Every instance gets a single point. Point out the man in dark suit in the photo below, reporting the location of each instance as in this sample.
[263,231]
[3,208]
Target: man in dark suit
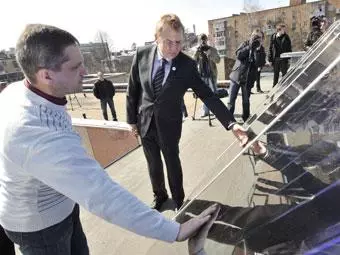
[160,76]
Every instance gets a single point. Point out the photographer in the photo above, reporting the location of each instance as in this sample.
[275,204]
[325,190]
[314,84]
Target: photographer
[207,57]
[316,32]
[249,57]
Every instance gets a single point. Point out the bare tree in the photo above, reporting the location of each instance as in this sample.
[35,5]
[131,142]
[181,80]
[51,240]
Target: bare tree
[107,47]
[133,46]
[252,17]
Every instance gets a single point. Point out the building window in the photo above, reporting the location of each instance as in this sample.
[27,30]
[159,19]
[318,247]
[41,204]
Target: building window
[220,43]
[222,52]
[219,34]
[294,26]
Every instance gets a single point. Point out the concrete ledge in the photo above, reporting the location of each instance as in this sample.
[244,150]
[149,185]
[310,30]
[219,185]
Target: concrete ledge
[105,141]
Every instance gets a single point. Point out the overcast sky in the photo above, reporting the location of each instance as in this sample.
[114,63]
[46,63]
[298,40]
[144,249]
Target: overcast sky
[124,21]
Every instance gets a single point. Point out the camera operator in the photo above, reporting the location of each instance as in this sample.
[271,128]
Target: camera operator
[207,57]
[249,57]
[316,32]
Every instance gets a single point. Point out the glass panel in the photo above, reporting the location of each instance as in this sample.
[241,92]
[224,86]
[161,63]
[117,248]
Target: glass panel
[287,176]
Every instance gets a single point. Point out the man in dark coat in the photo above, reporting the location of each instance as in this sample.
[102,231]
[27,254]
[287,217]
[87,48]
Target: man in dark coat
[104,91]
[279,43]
[249,57]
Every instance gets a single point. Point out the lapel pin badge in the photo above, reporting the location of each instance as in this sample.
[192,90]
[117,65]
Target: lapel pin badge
[173,68]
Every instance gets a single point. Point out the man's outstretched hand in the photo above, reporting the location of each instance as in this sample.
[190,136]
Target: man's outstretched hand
[259,148]
[189,228]
[241,134]
[196,242]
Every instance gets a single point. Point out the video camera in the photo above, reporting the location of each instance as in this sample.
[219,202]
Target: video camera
[316,21]
[203,48]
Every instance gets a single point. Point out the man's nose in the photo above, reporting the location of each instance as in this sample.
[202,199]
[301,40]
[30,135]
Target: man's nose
[83,71]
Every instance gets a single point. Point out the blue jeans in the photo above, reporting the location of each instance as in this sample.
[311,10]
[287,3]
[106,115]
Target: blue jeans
[234,88]
[210,83]
[64,238]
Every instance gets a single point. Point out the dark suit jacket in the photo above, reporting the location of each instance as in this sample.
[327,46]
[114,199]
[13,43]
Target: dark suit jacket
[166,108]
[277,47]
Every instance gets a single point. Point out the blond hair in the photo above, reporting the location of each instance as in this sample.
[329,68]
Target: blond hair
[171,20]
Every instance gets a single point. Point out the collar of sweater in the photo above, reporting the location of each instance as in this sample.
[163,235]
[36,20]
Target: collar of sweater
[52,99]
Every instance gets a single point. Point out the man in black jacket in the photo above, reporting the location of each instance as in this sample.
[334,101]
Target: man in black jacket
[104,91]
[279,43]
[249,57]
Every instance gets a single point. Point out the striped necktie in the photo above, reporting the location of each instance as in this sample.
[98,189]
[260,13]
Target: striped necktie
[159,77]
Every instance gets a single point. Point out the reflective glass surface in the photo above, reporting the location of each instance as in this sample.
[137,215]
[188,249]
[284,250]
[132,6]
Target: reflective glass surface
[286,199]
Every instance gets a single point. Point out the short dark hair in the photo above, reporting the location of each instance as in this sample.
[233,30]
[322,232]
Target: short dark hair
[279,26]
[42,46]
[204,37]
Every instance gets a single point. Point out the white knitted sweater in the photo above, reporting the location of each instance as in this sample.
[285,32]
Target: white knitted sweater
[44,170]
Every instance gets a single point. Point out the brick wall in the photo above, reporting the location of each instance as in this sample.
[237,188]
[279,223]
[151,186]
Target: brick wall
[237,28]
[297,18]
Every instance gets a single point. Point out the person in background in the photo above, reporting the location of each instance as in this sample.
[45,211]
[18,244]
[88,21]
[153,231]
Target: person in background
[207,57]
[249,58]
[315,33]
[104,90]
[279,43]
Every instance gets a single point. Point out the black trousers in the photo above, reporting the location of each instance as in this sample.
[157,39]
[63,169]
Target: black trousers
[6,245]
[280,65]
[153,145]
[233,93]
[103,104]
[258,78]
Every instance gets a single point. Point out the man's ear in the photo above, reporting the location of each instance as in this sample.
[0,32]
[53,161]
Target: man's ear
[44,76]
[158,40]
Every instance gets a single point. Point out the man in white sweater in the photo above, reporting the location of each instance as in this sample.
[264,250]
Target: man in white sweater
[44,170]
